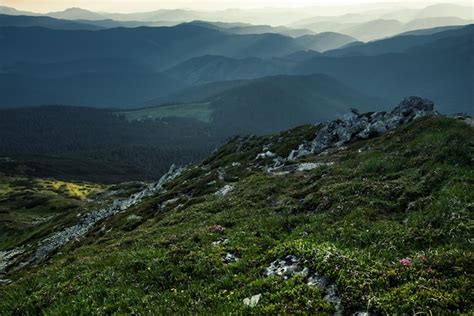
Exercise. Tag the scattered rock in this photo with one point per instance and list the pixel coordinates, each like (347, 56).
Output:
(220, 174)
(291, 266)
(252, 301)
(134, 217)
(5, 281)
(41, 220)
(332, 298)
(225, 190)
(287, 267)
(236, 164)
(229, 258)
(267, 154)
(220, 242)
(218, 228)
(307, 166)
(303, 150)
(168, 202)
(312, 165)
(317, 280)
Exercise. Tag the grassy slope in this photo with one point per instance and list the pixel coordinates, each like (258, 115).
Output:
(30, 208)
(406, 194)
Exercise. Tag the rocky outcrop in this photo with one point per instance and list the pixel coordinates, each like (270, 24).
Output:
(354, 125)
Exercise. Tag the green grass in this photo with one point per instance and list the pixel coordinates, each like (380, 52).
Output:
(408, 194)
(31, 208)
(198, 111)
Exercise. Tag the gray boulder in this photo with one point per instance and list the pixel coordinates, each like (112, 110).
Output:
(411, 106)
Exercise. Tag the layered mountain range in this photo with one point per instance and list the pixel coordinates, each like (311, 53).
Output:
(129, 67)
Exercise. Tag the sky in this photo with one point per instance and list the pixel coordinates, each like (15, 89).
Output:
(125, 6)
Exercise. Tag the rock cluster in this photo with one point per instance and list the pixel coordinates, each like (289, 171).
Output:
(290, 266)
(354, 126)
(287, 267)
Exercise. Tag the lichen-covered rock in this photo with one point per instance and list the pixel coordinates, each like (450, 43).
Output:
(287, 267)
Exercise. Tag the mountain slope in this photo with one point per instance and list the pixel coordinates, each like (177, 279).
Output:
(376, 29)
(211, 68)
(274, 103)
(77, 144)
(156, 46)
(12, 11)
(404, 42)
(149, 140)
(374, 227)
(325, 41)
(436, 64)
(243, 28)
(94, 89)
(438, 68)
(379, 27)
(76, 14)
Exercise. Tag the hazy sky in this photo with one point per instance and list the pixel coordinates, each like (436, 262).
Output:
(148, 5)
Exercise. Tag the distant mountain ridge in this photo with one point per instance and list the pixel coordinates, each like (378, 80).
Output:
(390, 68)
(44, 21)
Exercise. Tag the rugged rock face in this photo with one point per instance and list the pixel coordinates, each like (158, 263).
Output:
(355, 126)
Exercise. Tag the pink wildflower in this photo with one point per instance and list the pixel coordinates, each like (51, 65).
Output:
(406, 262)
(218, 228)
(429, 270)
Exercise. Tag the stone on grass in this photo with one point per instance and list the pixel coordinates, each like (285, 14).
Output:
(229, 258)
(224, 190)
(252, 301)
